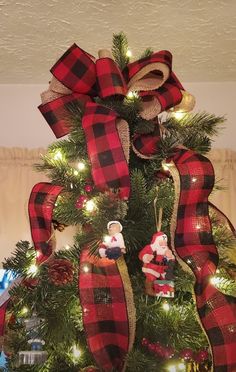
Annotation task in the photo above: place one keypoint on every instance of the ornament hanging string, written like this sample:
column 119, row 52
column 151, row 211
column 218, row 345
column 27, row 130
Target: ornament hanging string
column 158, row 218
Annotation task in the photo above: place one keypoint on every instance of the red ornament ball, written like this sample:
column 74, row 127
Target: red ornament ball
column 88, row 188
column 186, row 354
column 201, row 356
column 81, row 201
column 144, row 342
column 152, row 347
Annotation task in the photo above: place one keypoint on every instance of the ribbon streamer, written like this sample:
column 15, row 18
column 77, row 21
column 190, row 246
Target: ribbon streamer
column 108, row 309
column 41, row 203
column 192, row 240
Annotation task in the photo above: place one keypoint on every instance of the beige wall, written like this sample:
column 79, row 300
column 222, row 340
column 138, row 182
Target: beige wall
column 22, row 124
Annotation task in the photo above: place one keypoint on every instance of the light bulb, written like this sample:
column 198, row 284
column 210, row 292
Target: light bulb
column 132, row 95
column 181, row 366
column 86, row 268
column 24, row 310
column 172, row 368
column 106, row 238
column 179, row 115
column 76, row 172
column 128, row 53
column 32, row 269
column 76, row 352
column 90, row 206
column 80, row 166
column 215, row 280
column 194, row 179
column 166, row 306
column 58, row 155
column 67, row 247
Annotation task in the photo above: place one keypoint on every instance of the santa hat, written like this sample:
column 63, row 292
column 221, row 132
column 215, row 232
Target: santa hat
column 157, row 235
column 111, row 222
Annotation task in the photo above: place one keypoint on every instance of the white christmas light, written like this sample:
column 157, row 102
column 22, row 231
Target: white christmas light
column 80, row 166
column 128, row 53
column 106, row 238
column 172, row 368
column 181, row 366
column 179, row 115
column 198, row 226
column 76, row 352
column 132, row 95
column 166, row 306
column 215, row 280
column 85, row 268
column 67, row 247
column 24, row 310
column 32, row 269
column 90, row 206
column 76, row 172
column 194, row 179
column 58, row 155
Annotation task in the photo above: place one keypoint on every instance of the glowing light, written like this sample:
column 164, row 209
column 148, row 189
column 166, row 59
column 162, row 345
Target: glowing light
column 76, row 352
column 90, row 205
column 76, row 172
column 81, row 166
column 32, row 269
column 129, row 53
column 189, row 261
column 194, row 179
column 67, row 247
column 172, row 369
column 71, row 186
column 215, row 280
column 198, row 226
column 166, row 166
column 58, row 155
column 132, row 95
column 179, row 115
column 24, row 310
column 106, row 238
column 217, row 271
column 166, row 306
column 86, row 268
column 181, row 366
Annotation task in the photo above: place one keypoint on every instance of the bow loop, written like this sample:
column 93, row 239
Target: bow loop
column 110, row 80
column 76, row 70
column 149, row 73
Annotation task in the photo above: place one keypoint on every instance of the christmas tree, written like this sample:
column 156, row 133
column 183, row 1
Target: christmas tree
column 149, row 283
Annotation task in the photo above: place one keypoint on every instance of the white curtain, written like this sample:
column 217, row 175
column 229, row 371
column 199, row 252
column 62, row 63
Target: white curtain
column 17, row 177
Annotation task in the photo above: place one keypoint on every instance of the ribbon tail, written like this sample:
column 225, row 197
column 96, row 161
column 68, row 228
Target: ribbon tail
column 109, row 165
column 108, row 310
column 41, row 203
column 192, row 240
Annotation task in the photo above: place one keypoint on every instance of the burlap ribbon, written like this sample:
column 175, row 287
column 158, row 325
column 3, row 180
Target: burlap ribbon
column 77, row 77
column 193, row 243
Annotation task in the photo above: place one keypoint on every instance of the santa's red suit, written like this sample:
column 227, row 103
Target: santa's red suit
column 151, row 269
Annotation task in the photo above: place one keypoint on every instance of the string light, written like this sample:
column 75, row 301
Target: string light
column 179, row 115
column 32, row 269
column 132, row 95
column 129, row 53
column 76, row 172
column 106, row 238
column 215, row 280
column 181, row 366
column 172, row 368
column 67, row 247
column 166, row 306
column 194, row 179
column 76, row 352
column 24, row 311
column 81, row 166
column 90, row 206
column 58, row 155
column 86, row 268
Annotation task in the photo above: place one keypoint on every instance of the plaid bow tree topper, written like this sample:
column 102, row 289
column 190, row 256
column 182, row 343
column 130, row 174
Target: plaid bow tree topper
column 78, row 77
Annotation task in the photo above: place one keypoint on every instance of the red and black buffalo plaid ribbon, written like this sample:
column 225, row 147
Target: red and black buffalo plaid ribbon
column 41, row 203
column 104, row 308
column 194, row 244
column 109, row 166
column 79, row 78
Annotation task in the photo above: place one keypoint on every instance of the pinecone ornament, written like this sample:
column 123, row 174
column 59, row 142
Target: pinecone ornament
column 60, row 271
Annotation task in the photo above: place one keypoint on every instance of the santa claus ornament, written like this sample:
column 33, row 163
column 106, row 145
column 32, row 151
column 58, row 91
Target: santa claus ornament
column 158, row 265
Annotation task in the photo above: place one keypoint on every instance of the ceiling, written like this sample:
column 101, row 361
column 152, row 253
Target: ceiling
column 201, row 34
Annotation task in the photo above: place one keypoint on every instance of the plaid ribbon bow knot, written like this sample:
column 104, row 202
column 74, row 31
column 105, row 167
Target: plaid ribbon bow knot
column 77, row 76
